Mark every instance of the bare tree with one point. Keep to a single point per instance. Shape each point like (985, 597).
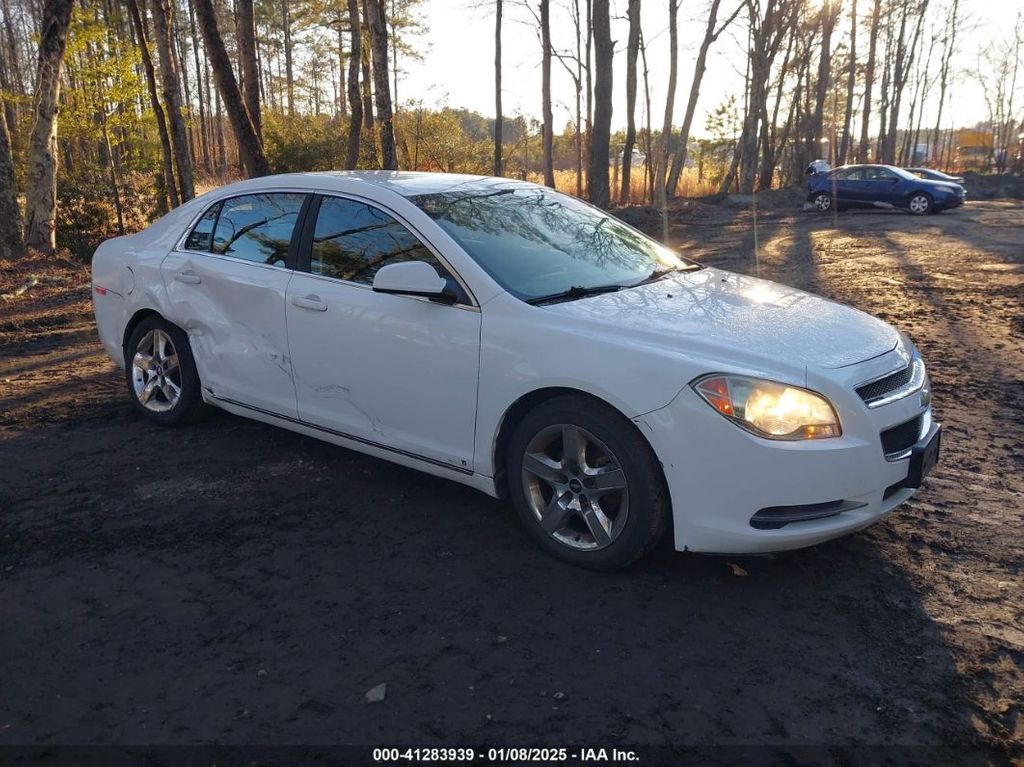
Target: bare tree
(997, 72)
(903, 61)
(499, 165)
(711, 35)
(289, 64)
(250, 149)
(869, 81)
(162, 21)
(604, 52)
(170, 193)
(248, 66)
(851, 80)
(355, 120)
(948, 48)
(770, 22)
(670, 99)
(382, 83)
(41, 178)
(11, 244)
(548, 126)
(632, 51)
(813, 135)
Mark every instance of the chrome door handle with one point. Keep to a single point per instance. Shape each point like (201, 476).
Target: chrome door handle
(188, 276)
(311, 302)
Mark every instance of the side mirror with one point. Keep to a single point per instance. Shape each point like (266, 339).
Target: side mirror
(415, 278)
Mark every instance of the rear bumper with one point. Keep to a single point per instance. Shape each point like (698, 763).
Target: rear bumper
(725, 482)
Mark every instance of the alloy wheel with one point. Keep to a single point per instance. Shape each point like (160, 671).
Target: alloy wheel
(575, 487)
(823, 203)
(919, 204)
(156, 374)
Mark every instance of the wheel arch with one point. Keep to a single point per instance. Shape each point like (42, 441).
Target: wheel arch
(912, 193)
(527, 402)
(134, 322)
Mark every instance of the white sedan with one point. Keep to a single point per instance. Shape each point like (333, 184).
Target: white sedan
(517, 340)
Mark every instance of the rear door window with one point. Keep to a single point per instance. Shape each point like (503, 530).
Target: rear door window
(258, 227)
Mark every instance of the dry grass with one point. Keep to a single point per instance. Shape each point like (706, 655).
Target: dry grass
(689, 185)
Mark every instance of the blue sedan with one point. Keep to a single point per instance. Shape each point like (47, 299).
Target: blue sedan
(881, 186)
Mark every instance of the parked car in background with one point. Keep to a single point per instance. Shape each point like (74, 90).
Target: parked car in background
(520, 341)
(881, 186)
(935, 175)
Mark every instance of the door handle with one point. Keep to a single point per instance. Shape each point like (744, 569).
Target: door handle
(311, 302)
(188, 276)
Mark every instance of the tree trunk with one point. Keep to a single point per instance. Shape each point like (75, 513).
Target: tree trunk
(41, 178)
(632, 51)
(202, 93)
(249, 69)
(355, 120)
(949, 46)
(250, 150)
(604, 52)
(170, 187)
(289, 66)
(382, 83)
(549, 128)
(661, 161)
(162, 21)
(851, 79)
(342, 87)
(11, 244)
(710, 36)
(869, 81)
(364, 54)
(829, 14)
(499, 165)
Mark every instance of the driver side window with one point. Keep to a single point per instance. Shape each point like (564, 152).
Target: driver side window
(353, 240)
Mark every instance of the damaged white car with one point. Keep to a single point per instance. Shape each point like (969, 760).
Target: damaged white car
(503, 335)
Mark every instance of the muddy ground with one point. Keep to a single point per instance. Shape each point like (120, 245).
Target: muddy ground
(235, 583)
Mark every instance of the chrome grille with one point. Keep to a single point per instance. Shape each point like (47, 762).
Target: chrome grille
(875, 390)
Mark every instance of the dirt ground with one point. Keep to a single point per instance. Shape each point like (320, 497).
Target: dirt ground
(235, 583)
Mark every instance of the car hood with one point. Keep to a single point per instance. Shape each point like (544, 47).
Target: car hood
(710, 308)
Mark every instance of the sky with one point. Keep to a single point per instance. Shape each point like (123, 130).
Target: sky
(457, 68)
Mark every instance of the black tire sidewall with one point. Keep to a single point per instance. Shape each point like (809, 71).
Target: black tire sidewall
(648, 498)
(190, 402)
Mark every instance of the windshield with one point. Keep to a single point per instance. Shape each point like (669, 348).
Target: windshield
(536, 242)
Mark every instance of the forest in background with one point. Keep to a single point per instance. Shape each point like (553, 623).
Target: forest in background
(115, 111)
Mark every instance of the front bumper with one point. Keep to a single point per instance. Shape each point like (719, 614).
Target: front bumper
(720, 477)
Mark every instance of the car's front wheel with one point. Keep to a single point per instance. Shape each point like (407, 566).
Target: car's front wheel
(920, 204)
(586, 484)
(823, 202)
(161, 374)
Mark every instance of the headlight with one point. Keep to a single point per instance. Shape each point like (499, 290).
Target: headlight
(769, 409)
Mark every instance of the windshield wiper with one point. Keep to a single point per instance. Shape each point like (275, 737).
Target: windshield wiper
(657, 274)
(575, 292)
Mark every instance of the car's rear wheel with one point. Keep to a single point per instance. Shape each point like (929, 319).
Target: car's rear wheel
(161, 373)
(586, 484)
(920, 204)
(823, 202)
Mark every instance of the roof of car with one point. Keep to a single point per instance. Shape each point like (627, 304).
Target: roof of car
(405, 183)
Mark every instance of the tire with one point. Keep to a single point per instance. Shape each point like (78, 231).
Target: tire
(920, 204)
(619, 476)
(161, 375)
(822, 202)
